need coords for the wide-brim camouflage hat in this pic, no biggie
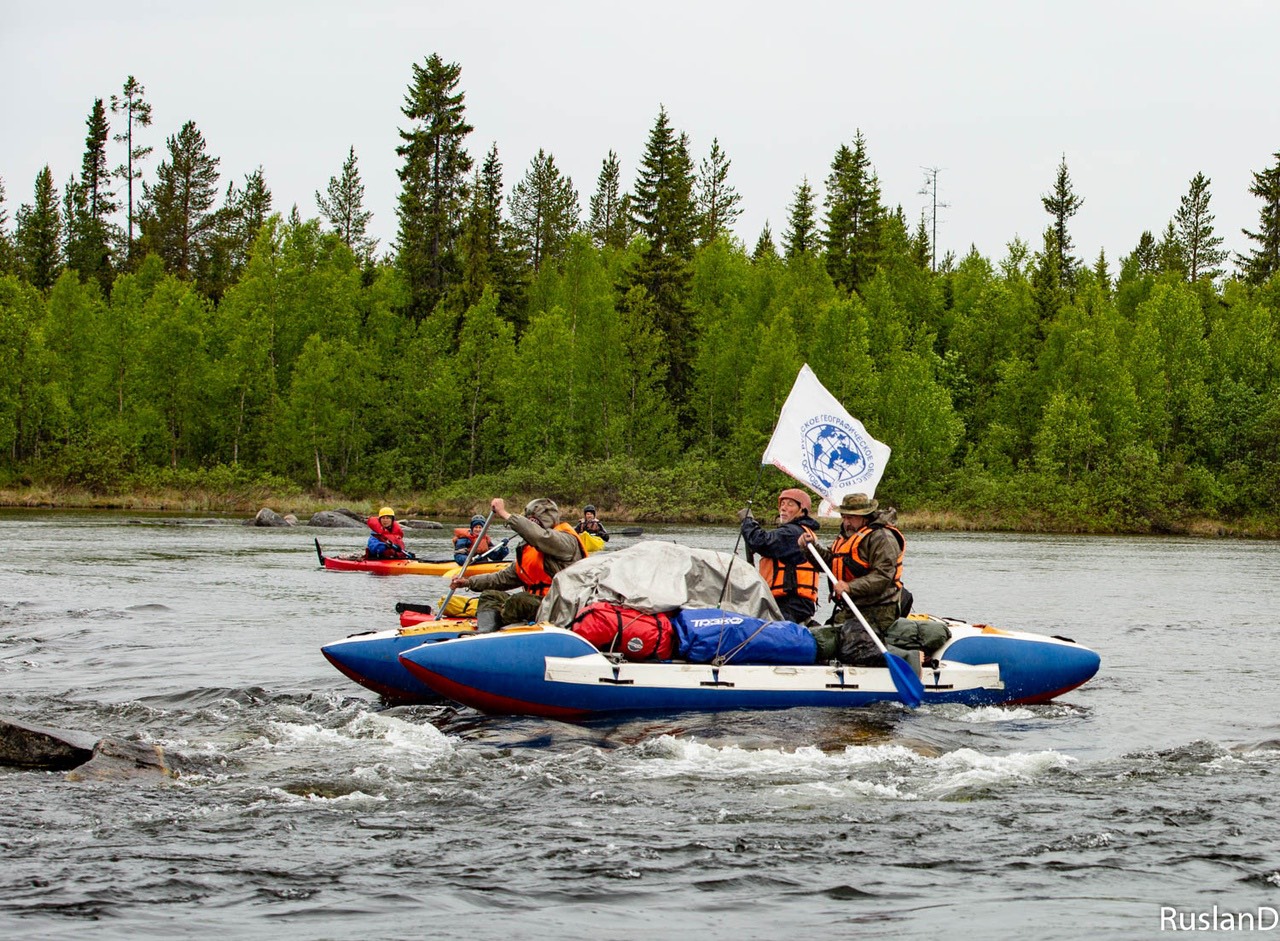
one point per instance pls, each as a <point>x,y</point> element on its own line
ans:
<point>857,504</point>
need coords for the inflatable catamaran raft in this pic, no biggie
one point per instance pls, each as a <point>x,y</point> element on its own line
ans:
<point>547,670</point>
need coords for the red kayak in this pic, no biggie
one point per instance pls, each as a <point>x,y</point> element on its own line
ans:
<point>443,569</point>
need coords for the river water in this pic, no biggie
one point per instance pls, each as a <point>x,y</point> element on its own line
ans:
<point>307,810</point>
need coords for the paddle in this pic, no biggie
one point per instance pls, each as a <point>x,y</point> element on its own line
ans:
<point>444,605</point>
<point>320,553</point>
<point>630,531</point>
<point>910,689</point>
<point>486,555</point>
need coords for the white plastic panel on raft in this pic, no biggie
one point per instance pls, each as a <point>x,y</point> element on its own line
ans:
<point>592,670</point>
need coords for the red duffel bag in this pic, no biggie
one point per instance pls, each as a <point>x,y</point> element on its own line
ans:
<point>637,635</point>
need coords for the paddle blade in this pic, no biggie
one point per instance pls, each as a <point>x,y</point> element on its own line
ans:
<point>910,689</point>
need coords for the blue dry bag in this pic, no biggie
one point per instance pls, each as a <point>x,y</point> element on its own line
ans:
<point>708,633</point>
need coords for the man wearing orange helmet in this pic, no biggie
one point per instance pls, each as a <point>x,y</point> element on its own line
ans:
<point>784,564</point>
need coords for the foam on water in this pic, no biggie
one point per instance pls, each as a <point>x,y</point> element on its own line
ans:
<point>985,714</point>
<point>888,771</point>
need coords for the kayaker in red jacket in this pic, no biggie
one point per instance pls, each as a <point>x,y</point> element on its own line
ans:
<point>387,538</point>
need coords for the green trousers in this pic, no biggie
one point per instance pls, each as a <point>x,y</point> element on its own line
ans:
<point>519,608</point>
<point>854,647</point>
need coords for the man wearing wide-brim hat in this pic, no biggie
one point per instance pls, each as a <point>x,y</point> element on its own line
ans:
<point>866,559</point>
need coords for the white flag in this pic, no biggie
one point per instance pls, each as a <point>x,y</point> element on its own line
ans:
<point>824,447</point>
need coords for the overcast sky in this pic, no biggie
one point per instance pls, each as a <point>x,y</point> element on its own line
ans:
<point>1139,97</point>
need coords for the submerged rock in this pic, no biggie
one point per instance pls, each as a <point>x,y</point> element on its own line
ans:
<point>23,745</point>
<point>421,524</point>
<point>114,760</point>
<point>85,757</point>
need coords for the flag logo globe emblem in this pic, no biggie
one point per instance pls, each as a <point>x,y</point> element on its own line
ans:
<point>836,455</point>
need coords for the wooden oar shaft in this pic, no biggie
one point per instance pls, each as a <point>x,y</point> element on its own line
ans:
<point>817,556</point>
<point>465,562</point>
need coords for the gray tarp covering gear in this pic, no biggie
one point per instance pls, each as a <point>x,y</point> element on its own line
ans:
<point>659,576</point>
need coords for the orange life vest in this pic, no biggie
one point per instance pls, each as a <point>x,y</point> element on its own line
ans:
<point>847,562</point>
<point>465,533</point>
<point>529,563</point>
<point>791,578</point>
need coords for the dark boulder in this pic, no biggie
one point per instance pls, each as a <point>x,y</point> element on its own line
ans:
<point>23,745</point>
<point>335,519</point>
<point>83,756</point>
<point>267,517</point>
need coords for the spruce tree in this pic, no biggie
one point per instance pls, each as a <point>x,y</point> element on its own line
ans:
<point>1195,231</point>
<point>764,244</point>
<point>921,248</point>
<point>95,173</point>
<point>1171,254</point>
<point>544,211</point>
<point>719,204</point>
<point>89,204</point>
<point>1062,204</point>
<point>1101,272</point>
<point>801,234</point>
<point>433,179</point>
<point>39,234</point>
<point>1047,289</point>
<point>8,259</point>
<point>176,218</point>
<point>486,245</point>
<point>343,207</point>
<point>662,206</point>
<point>1146,255</point>
<point>1264,260</point>
<point>244,211</point>
<point>137,111</point>
<point>854,215</point>
<point>663,211</point>
<point>609,224</point>
<point>77,231</point>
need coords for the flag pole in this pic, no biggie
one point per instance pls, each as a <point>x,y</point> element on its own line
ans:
<point>755,491</point>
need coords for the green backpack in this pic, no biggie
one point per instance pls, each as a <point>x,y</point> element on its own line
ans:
<point>924,634</point>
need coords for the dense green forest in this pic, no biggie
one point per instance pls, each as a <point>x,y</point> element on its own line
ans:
<point>159,330</point>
